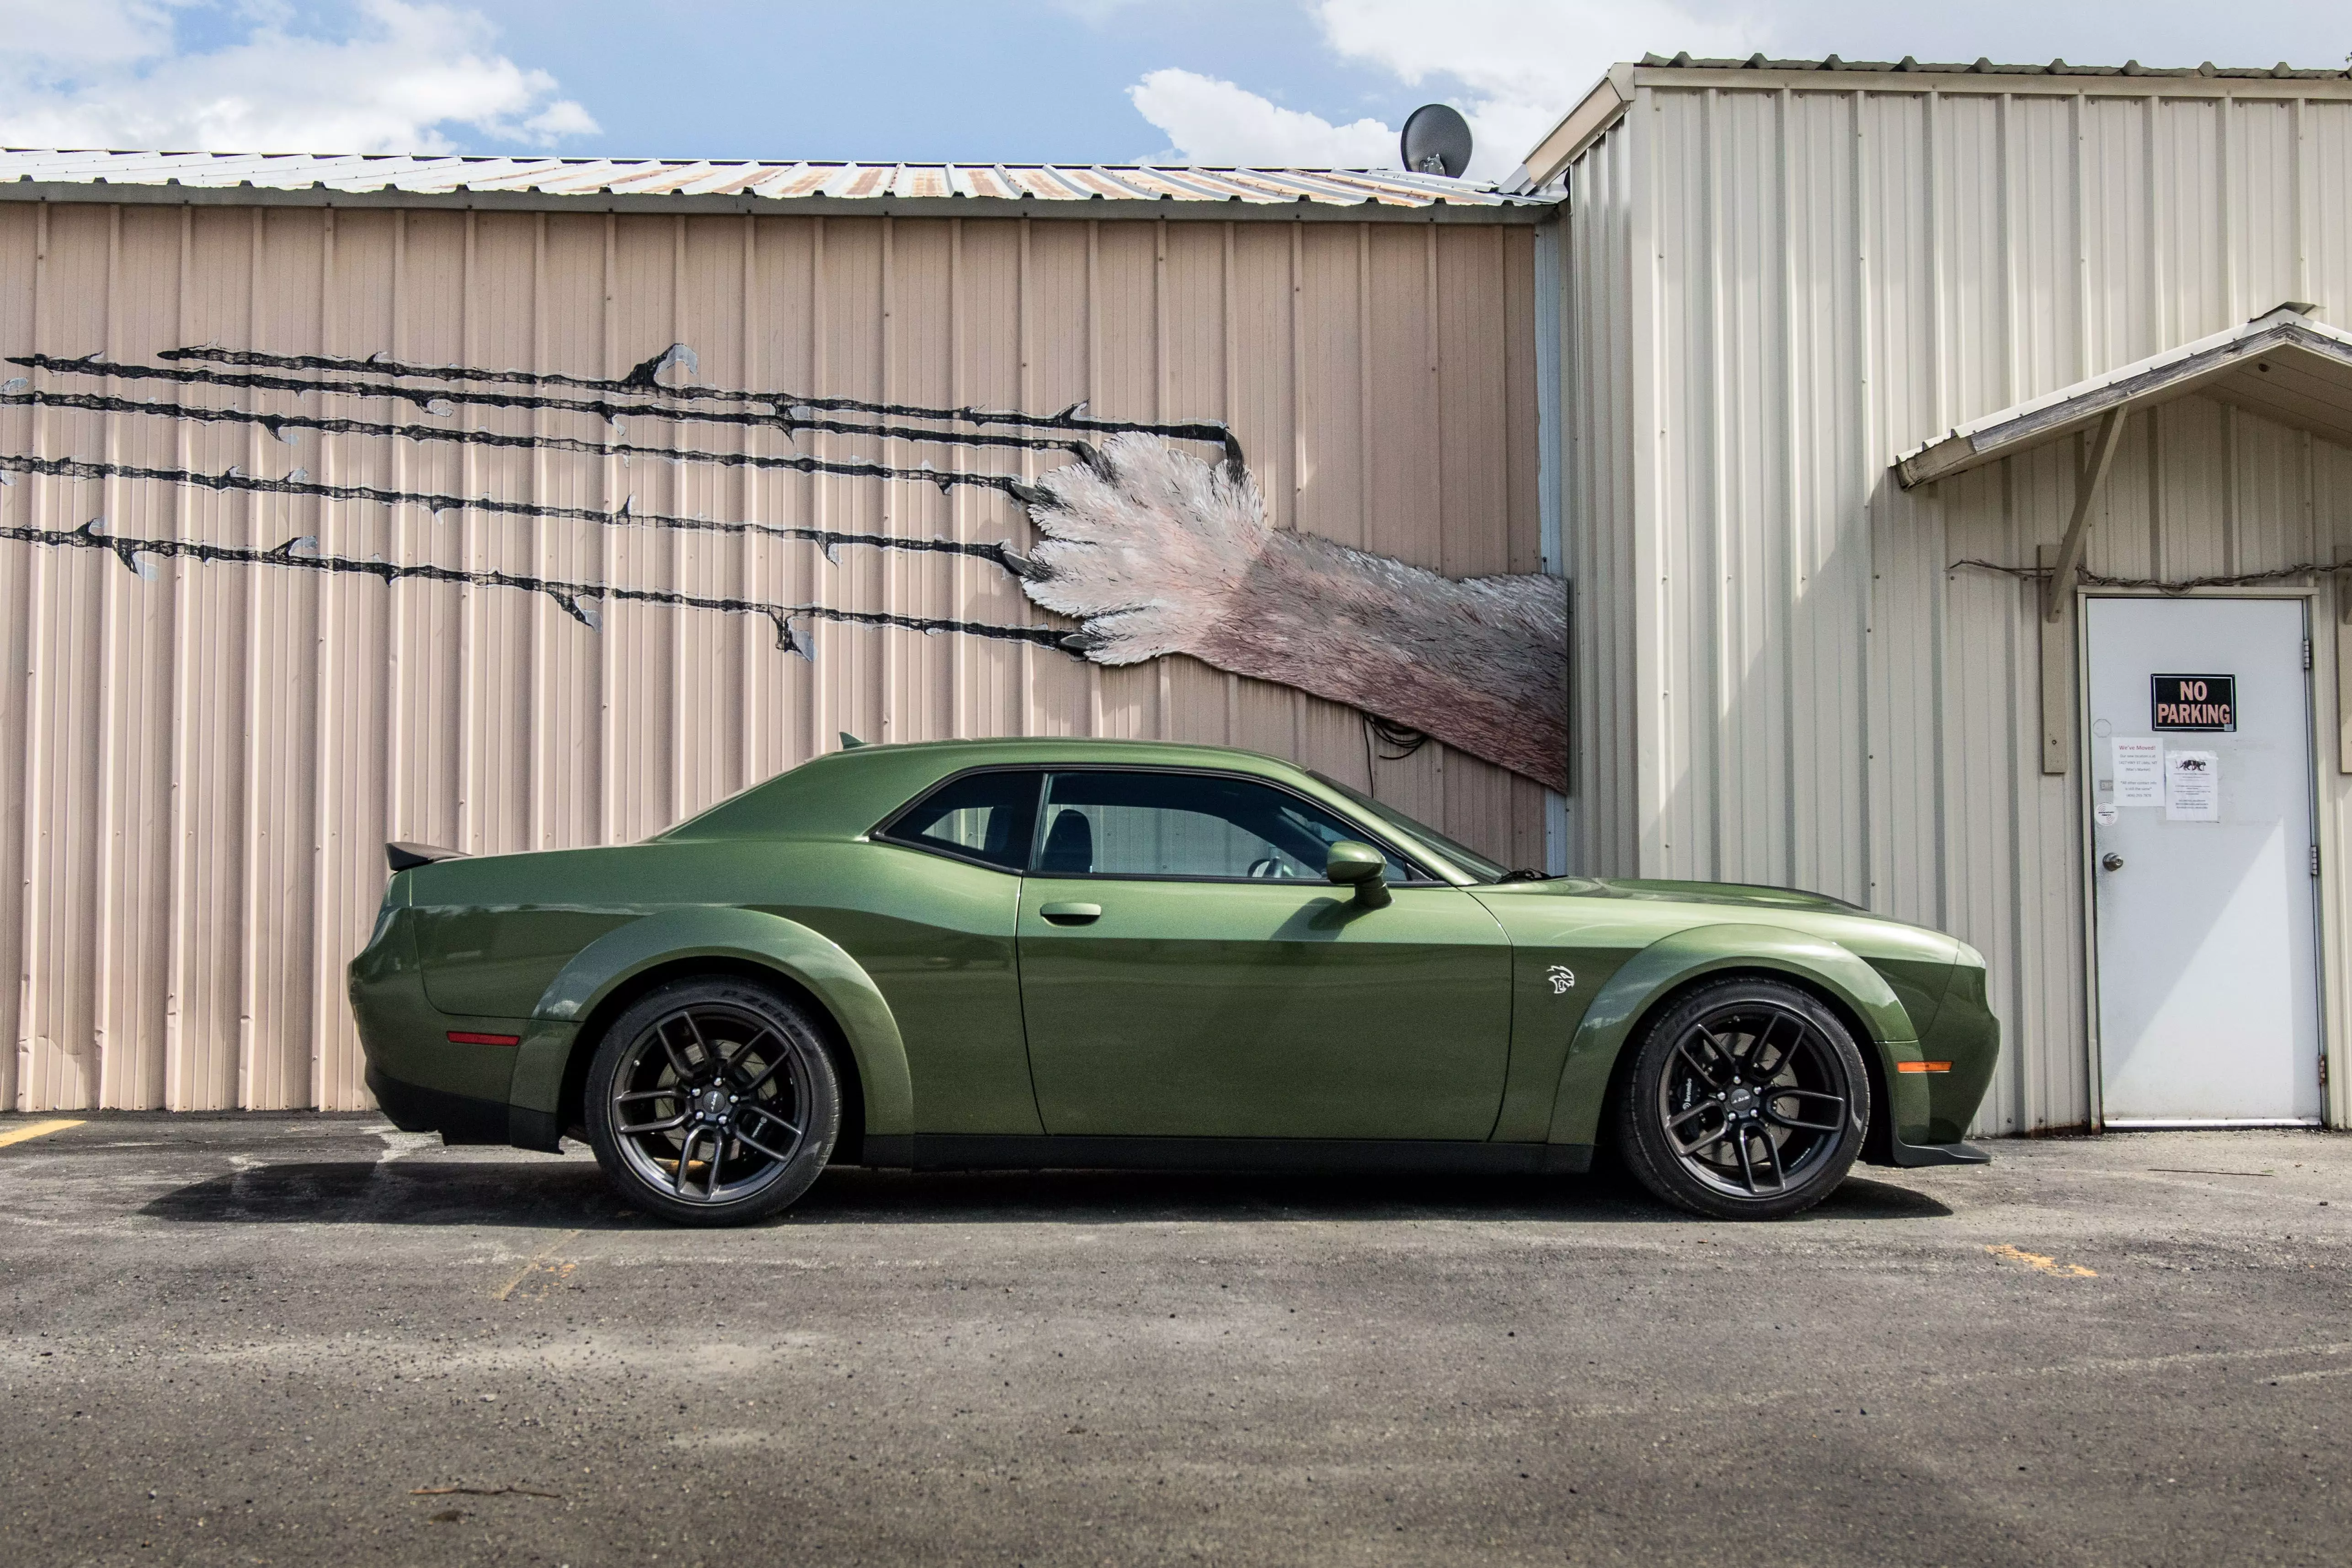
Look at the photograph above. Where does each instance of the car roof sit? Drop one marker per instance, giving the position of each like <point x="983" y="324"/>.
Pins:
<point x="1035" y="749"/>
<point x="844" y="794"/>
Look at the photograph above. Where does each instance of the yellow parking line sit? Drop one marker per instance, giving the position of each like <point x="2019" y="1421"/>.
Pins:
<point x="537" y="1258"/>
<point x="37" y="1129"/>
<point x="2046" y="1265"/>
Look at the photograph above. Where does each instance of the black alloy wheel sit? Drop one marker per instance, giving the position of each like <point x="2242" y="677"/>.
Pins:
<point x="712" y="1102"/>
<point x="1747" y="1101"/>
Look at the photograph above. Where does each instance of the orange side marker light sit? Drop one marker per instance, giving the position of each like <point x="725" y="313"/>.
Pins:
<point x="1899" y="1067"/>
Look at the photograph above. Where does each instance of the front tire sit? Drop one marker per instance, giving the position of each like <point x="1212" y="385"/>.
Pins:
<point x="1748" y="1100"/>
<point x="713" y="1101"/>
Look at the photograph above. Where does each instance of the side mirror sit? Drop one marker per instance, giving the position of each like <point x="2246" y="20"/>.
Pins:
<point x="1362" y="866"/>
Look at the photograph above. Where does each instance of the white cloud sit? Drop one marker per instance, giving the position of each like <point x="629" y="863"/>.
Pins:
<point x="86" y="32"/>
<point x="1215" y="123"/>
<point x="1515" y="67"/>
<point x="1524" y="63"/>
<point x="1512" y="67"/>
<point x="106" y="73"/>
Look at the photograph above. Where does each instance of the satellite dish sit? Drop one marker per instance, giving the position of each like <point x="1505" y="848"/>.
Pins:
<point x="1436" y="141"/>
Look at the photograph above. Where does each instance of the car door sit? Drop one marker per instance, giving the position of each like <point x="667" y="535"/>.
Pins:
<point x="931" y="918"/>
<point x="1187" y="971"/>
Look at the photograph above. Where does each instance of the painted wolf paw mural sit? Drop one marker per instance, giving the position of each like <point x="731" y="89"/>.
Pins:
<point x="1154" y="552"/>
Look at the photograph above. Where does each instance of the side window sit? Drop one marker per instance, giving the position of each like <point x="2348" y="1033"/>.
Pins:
<point x="987" y="817"/>
<point x="1187" y="824"/>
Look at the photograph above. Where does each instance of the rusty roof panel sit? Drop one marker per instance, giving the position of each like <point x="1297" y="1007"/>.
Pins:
<point x="374" y="174"/>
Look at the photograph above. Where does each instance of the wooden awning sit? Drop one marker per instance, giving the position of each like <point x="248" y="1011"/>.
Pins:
<point x="2282" y="364"/>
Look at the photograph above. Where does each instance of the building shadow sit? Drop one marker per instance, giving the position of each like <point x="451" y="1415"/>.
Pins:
<point x="560" y="1194"/>
<point x="571" y="1193"/>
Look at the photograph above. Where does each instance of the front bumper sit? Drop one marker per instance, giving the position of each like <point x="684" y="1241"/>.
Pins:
<point x="1932" y="1111"/>
<point x="1898" y="1153"/>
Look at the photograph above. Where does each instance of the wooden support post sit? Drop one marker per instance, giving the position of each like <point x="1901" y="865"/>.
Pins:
<point x="2061" y="568"/>
<point x="2058" y="588"/>
<point x="2342" y="588"/>
<point x="2057" y="676"/>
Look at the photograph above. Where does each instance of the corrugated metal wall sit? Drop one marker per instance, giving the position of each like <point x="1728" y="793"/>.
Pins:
<point x="1782" y="286"/>
<point x="202" y="766"/>
<point x="1599" y="476"/>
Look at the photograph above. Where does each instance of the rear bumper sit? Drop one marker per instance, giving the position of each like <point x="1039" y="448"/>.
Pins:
<point x="426" y="1081"/>
<point x="462" y="1117"/>
<point x="458" y="1118"/>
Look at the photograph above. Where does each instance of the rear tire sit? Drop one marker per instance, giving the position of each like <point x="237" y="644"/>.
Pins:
<point x="713" y="1101"/>
<point x="1748" y="1100"/>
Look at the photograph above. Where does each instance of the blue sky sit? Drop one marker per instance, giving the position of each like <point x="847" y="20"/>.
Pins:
<point x="1072" y="80"/>
<point x="1028" y="81"/>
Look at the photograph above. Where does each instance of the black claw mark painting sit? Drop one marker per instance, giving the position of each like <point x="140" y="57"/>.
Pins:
<point x="1150" y="539"/>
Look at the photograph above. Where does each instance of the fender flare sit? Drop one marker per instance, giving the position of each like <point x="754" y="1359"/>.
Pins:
<point x="1674" y="961"/>
<point x="807" y="957"/>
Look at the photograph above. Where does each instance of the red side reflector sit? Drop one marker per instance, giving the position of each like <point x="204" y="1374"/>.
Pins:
<point x="1899" y="1067"/>
<point x="467" y="1037"/>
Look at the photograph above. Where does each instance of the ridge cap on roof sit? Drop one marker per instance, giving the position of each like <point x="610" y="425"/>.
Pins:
<point x="1986" y="66"/>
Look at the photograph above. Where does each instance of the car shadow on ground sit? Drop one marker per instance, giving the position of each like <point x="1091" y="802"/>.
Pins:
<point x="1116" y="1196"/>
<point x="571" y="1193"/>
<point x="552" y="1193"/>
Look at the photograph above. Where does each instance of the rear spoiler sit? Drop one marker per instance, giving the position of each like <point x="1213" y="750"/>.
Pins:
<point x="408" y="857"/>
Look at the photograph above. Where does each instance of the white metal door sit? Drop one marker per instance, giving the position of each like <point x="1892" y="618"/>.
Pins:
<point x="2203" y="860"/>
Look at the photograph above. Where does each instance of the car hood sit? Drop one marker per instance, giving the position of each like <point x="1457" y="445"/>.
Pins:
<point x="1595" y="914"/>
<point x="1736" y="895"/>
<point x="1867" y="932"/>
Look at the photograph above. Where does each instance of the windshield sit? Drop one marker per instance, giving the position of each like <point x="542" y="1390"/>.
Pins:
<point x="1461" y="854"/>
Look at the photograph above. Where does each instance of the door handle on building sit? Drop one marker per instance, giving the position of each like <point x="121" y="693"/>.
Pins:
<point x="2112" y="861"/>
<point x="1071" y="914"/>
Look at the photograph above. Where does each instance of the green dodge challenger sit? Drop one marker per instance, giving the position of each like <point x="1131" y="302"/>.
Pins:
<point x="1096" y="953"/>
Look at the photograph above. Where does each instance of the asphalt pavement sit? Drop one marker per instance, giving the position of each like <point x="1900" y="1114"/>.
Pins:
<point x="315" y="1340"/>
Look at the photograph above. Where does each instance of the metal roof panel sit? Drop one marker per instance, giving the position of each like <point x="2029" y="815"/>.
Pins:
<point x="2312" y="391"/>
<point x="559" y="178"/>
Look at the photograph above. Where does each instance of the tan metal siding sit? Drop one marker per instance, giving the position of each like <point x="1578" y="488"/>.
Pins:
<point x="1819" y="279"/>
<point x="204" y="766"/>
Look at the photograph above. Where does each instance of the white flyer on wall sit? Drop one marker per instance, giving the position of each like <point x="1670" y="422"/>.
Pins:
<point x="2192" y="786"/>
<point x="2139" y="770"/>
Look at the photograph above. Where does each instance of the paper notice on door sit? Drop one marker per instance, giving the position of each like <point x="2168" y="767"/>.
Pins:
<point x="2139" y="770"/>
<point x="2193" y="787"/>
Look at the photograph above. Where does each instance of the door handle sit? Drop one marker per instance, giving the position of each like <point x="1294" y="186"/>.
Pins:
<point x="2113" y="861"/>
<point x="1071" y="914"/>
